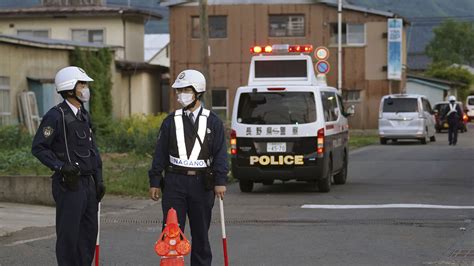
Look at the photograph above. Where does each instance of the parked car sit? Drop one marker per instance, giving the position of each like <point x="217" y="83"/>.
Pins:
<point x="406" y="116"/>
<point x="441" y="123"/>
<point x="470" y="107"/>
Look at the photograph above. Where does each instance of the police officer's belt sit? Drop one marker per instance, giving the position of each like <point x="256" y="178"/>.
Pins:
<point x="185" y="172"/>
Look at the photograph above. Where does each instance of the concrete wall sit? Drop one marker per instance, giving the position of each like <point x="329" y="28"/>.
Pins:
<point x="26" y="189"/>
<point x="434" y="95"/>
<point x="134" y="40"/>
<point x="146" y="97"/>
<point x="19" y="62"/>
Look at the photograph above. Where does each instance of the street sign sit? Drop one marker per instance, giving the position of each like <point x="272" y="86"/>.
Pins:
<point x="321" y="53"/>
<point x="322" y="67"/>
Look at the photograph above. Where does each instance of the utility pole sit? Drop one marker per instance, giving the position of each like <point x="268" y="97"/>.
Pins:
<point x="205" y="50"/>
<point x="339" y="46"/>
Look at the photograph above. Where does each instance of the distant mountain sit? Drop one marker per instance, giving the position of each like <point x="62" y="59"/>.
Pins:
<point x="17" y="4"/>
<point x="421" y="8"/>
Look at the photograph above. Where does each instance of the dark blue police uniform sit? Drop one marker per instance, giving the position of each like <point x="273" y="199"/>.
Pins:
<point x="183" y="188"/>
<point x="454" y="118"/>
<point x="76" y="206"/>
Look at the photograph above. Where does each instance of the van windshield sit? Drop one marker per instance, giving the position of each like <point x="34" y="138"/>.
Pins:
<point x="276" y="108"/>
<point x="400" y="105"/>
<point x="470" y="101"/>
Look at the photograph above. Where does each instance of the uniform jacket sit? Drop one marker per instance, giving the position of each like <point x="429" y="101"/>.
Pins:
<point x="214" y="142"/>
<point x="49" y="142"/>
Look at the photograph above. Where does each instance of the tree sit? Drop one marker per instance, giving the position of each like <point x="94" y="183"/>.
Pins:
<point x="453" y="43"/>
<point x="461" y="76"/>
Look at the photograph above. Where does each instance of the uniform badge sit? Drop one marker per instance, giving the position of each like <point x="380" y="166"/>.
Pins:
<point x="181" y="76"/>
<point x="47" y="131"/>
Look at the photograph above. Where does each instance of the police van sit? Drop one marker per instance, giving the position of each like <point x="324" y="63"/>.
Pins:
<point x="287" y="124"/>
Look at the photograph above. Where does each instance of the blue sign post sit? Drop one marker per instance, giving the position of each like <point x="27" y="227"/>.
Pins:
<point x="322" y="67"/>
<point x="394" y="54"/>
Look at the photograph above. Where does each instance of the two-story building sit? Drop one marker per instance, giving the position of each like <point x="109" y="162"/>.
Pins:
<point x="237" y="25"/>
<point x="136" y="83"/>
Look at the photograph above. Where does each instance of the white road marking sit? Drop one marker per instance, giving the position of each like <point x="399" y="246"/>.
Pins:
<point x="386" y="206"/>
<point x="16" y="243"/>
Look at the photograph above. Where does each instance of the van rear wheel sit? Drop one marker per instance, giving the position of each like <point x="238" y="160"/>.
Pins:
<point x="383" y="141"/>
<point x="341" y="177"/>
<point x="245" y="185"/>
<point x="324" y="184"/>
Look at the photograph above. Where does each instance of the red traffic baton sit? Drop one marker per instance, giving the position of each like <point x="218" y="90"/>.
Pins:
<point x="224" y="237"/>
<point x="97" y="245"/>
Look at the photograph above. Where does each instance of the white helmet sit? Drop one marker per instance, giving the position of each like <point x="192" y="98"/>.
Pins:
<point x="191" y="78"/>
<point x="452" y="98"/>
<point x="67" y="78"/>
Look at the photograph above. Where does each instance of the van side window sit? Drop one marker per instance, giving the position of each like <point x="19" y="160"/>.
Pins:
<point x="341" y="106"/>
<point x="330" y="108"/>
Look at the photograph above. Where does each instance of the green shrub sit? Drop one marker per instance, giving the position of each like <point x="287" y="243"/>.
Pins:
<point x="12" y="137"/>
<point x="20" y="161"/>
<point x="137" y="133"/>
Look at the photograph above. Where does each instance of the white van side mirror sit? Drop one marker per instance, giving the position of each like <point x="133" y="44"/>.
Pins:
<point x="350" y="111"/>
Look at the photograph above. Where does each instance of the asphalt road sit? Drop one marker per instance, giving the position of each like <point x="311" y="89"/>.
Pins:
<point x="270" y="227"/>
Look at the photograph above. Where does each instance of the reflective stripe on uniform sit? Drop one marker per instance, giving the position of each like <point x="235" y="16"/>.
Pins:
<point x="178" y="121"/>
<point x="183" y="160"/>
<point x="452" y="109"/>
<point x="188" y="163"/>
<point x="201" y="133"/>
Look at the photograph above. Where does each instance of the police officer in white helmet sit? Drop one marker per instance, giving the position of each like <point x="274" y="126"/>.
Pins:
<point x="192" y="153"/>
<point x="64" y="142"/>
<point x="453" y="114"/>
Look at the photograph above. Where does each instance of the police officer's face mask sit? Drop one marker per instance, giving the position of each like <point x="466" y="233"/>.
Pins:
<point x="84" y="95"/>
<point x="185" y="99"/>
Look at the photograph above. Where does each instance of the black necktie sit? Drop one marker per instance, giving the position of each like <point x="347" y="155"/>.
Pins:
<point x="191" y="117"/>
<point x="79" y="114"/>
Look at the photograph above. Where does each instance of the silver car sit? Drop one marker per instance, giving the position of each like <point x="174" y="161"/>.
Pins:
<point x="406" y="116"/>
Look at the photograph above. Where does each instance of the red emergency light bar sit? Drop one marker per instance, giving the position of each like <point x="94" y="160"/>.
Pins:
<point x="281" y="48"/>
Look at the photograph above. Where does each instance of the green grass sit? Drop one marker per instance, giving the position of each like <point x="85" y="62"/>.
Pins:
<point x="126" y="173"/>
<point x="361" y="141"/>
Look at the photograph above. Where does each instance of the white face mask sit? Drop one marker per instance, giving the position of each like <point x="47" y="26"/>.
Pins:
<point x="185" y="99"/>
<point x="85" y="95"/>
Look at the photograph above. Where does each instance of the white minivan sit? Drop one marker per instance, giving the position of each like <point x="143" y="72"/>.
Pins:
<point x="470" y="107"/>
<point x="406" y="116"/>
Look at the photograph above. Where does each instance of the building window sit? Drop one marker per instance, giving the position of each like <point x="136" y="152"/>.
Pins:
<point x="286" y="26"/>
<point x="219" y="102"/>
<point x="352" y="34"/>
<point x="5" y="102"/>
<point x="92" y="36"/>
<point x="351" y="95"/>
<point x="217" y="27"/>
<point x="33" y="33"/>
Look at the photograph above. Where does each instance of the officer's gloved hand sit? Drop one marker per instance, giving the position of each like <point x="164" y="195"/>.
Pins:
<point x="100" y="191"/>
<point x="70" y="173"/>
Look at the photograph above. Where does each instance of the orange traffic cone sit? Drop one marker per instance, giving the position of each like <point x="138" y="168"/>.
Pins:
<point x="172" y="245"/>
